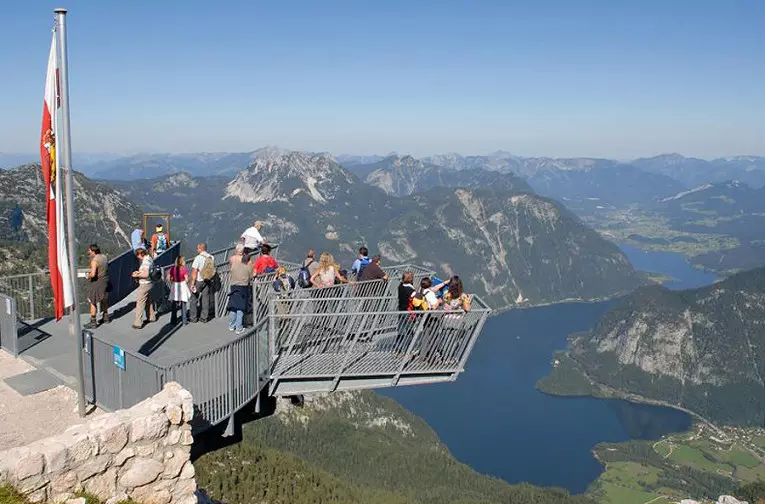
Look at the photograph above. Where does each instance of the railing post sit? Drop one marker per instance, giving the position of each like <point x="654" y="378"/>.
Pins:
<point x="349" y="352"/>
<point x="271" y="331"/>
<point x="408" y="357"/>
<point x="230" y="402"/>
<point x="471" y="342"/>
<point x="31" y="299"/>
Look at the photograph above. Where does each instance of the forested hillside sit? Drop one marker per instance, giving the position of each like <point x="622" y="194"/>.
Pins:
<point x="353" y="447"/>
<point x="703" y="349"/>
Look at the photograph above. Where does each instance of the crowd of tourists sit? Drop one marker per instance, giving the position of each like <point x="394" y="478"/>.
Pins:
<point x="191" y="290"/>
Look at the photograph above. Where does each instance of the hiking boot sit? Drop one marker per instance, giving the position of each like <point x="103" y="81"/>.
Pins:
<point x="92" y="324"/>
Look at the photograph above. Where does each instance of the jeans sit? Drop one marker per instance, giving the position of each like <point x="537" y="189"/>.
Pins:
<point x="173" y="317"/>
<point x="235" y="319"/>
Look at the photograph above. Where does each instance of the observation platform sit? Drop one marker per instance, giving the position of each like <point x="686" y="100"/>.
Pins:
<point x="344" y="337"/>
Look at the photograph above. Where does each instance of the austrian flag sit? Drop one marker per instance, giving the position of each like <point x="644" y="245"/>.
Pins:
<point x="60" y="276"/>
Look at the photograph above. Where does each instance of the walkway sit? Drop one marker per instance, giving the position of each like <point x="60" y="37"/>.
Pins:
<point x="318" y="340"/>
<point x="162" y="342"/>
<point x="20" y="414"/>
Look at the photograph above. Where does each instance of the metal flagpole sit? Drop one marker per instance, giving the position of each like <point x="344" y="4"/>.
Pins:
<point x="64" y="144"/>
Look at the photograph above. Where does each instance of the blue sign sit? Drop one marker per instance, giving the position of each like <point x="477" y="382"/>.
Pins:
<point x="119" y="358"/>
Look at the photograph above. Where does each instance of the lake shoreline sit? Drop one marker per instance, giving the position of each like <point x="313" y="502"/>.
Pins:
<point x="605" y="392"/>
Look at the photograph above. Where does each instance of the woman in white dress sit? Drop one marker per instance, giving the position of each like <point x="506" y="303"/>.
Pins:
<point x="178" y="278"/>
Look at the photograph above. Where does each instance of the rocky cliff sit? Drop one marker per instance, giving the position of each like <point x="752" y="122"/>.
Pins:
<point x="103" y="216"/>
<point x="405" y="175"/>
<point x="702" y="349"/>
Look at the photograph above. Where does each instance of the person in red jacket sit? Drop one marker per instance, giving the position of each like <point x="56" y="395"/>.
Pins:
<point x="265" y="263"/>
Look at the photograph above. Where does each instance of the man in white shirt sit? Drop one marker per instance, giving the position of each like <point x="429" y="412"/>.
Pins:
<point x="251" y="238"/>
<point x="145" y="286"/>
<point x="201" y="287"/>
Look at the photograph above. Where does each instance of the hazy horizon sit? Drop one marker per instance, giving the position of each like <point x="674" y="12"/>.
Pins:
<point x="115" y="155"/>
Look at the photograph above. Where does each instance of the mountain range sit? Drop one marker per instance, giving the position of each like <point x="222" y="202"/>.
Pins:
<point x="702" y="349"/>
<point x="688" y="171"/>
<point x="405" y="175"/>
<point x="506" y="243"/>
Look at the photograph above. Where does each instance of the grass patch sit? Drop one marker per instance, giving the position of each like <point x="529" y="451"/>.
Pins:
<point x="740" y="457"/>
<point x="760" y="441"/>
<point x="9" y="495"/>
<point x="625" y="482"/>
<point x="663" y="448"/>
<point x="692" y="457"/>
<point x="611" y="493"/>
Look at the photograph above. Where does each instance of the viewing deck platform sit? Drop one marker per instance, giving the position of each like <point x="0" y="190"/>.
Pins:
<point x="348" y="336"/>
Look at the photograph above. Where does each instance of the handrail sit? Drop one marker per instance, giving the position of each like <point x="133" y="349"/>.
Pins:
<point x="25" y="275"/>
<point x="364" y="298"/>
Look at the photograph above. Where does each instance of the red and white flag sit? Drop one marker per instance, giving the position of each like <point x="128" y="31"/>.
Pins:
<point x="60" y="276"/>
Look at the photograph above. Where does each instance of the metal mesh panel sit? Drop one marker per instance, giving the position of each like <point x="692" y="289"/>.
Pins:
<point x="113" y="388"/>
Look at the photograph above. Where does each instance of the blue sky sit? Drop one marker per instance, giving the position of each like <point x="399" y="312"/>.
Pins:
<point x="604" y="78"/>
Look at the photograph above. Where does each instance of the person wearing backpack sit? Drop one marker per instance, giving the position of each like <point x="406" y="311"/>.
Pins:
<point x="159" y="241"/>
<point x="425" y="299"/>
<point x="202" y="275"/>
<point x="360" y="263"/>
<point x="405" y="324"/>
<point x="265" y="263"/>
<point x="307" y="269"/>
<point x="143" y="301"/>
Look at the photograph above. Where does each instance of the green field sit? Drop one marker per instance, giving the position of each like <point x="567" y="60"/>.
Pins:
<point x="739" y="457"/>
<point x="695" y="458"/>
<point x="624" y="483"/>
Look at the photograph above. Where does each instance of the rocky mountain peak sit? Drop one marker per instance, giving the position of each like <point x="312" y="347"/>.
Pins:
<point x="280" y="175"/>
<point x="176" y="180"/>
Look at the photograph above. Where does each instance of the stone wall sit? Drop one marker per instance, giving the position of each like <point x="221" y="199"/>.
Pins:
<point x="140" y="453"/>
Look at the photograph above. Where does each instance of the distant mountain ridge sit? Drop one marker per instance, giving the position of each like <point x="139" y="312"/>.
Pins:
<point x="405" y="175"/>
<point x="506" y="244"/>
<point x="694" y="172"/>
<point x="690" y="171"/>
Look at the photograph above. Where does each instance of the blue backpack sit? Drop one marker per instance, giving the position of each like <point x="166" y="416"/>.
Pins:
<point x="284" y="285"/>
<point x="362" y="264"/>
<point x="304" y="278"/>
<point x="161" y="242"/>
<point x="437" y="281"/>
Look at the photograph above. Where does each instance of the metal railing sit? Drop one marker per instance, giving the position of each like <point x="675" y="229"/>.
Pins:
<point x="367" y="336"/>
<point x="221" y="381"/>
<point x="34" y="297"/>
<point x="8" y="325"/>
<point x="325" y="336"/>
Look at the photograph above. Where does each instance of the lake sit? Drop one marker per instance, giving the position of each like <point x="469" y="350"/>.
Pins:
<point x="684" y="276"/>
<point x="493" y="419"/>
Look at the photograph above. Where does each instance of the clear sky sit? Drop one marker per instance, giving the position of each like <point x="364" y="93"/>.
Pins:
<point x="611" y="78"/>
